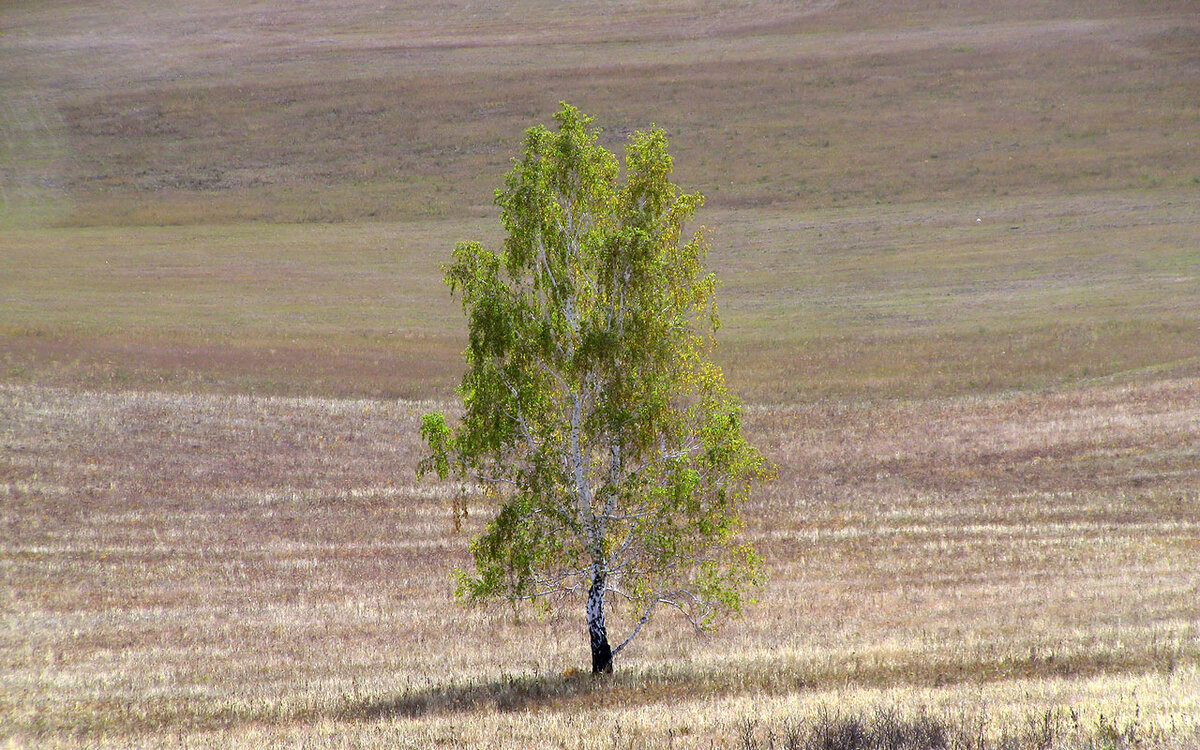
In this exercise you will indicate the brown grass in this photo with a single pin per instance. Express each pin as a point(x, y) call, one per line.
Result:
point(909, 301)
point(343, 111)
point(904, 195)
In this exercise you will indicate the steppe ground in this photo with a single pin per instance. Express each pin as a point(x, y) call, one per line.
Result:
point(959, 246)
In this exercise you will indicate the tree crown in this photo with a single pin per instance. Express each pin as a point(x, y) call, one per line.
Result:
point(592, 412)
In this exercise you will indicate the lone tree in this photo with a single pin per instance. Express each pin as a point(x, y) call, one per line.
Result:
point(593, 418)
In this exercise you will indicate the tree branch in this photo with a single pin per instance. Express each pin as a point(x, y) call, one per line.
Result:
point(642, 621)
point(689, 616)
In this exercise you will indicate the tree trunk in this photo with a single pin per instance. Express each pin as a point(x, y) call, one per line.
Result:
point(601, 651)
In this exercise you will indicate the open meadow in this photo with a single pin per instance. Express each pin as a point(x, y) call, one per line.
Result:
point(959, 254)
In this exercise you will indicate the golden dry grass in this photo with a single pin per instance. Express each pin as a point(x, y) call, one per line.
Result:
point(236, 571)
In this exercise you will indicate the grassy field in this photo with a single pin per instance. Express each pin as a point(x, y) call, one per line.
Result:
point(235, 571)
point(959, 247)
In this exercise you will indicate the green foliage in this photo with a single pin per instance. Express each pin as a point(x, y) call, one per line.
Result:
point(591, 410)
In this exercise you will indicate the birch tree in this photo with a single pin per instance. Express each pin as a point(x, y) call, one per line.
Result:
point(593, 421)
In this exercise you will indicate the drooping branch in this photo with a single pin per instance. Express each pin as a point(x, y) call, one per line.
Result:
point(645, 618)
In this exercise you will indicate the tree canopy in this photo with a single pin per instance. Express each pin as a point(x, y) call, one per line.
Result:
point(593, 419)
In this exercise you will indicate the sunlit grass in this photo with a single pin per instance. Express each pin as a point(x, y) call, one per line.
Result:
point(230, 570)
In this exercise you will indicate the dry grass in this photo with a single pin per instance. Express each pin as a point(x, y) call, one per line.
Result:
point(908, 301)
point(892, 185)
point(341, 110)
point(228, 571)
point(959, 255)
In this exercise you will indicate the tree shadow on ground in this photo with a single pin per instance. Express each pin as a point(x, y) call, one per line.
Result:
point(507, 693)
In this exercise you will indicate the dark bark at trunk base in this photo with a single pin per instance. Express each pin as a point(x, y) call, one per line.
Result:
point(601, 655)
point(601, 651)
